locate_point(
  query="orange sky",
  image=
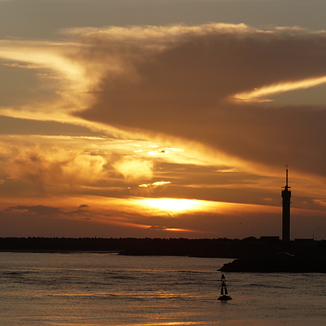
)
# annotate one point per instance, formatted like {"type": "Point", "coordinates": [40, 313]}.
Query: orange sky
{"type": "Point", "coordinates": [125, 127]}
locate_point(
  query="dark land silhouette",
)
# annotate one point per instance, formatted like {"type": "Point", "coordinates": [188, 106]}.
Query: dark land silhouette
{"type": "Point", "coordinates": [282, 262]}
{"type": "Point", "coordinates": [267, 254]}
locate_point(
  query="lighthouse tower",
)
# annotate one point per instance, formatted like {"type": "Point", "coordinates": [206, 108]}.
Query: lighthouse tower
{"type": "Point", "coordinates": [286, 201]}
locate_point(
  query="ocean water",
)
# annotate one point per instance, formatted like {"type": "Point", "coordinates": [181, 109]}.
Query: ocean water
{"type": "Point", "coordinates": [105, 289]}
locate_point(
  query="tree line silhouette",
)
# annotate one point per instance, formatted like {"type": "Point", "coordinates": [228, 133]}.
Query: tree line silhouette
{"type": "Point", "coordinates": [218, 248]}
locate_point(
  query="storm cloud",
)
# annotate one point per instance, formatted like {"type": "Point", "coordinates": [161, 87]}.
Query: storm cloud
{"type": "Point", "coordinates": [184, 82]}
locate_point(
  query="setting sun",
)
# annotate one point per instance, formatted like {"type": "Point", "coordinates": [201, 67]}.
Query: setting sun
{"type": "Point", "coordinates": [172, 204]}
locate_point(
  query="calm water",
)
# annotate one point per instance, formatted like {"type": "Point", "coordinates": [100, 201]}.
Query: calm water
{"type": "Point", "coordinates": [103, 289]}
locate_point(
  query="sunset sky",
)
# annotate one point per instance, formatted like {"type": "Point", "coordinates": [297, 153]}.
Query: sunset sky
{"type": "Point", "coordinates": [162, 118]}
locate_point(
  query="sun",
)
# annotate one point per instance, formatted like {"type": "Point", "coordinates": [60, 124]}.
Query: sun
{"type": "Point", "coordinates": [171, 204]}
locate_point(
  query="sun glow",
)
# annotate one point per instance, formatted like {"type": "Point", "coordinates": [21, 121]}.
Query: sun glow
{"type": "Point", "coordinates": [173, 204]}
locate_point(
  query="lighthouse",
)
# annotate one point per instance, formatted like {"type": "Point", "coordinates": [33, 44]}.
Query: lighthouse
{"type": "Point", "coordinates": [286, 202]}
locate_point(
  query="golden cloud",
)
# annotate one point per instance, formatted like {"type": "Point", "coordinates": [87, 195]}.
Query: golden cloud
{"type": "Point", "coordinates": [257, 93]}
{"type": "Point", "coordinates": [132, 168]}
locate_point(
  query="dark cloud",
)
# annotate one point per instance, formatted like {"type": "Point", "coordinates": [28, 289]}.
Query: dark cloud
{"type": "Point", "coordinates": [46, 211]}
{"type": "Point", "coordinates": [39, 210]}
{"type": "Point", "coordinates": [184, 90]}
{"type": "Point", "coordinates": [81, 207]}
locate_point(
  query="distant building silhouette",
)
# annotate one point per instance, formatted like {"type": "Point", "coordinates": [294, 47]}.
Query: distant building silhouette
{"type": "Point", "coordinates": [286, 202]}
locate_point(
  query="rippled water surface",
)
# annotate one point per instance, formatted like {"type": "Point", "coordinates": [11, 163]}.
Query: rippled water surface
{"type": "Point", "coordinates": [105, 289]}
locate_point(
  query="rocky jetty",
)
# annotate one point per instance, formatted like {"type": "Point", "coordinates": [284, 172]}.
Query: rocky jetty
{"type": "Point", "coordinates": [277, 263]}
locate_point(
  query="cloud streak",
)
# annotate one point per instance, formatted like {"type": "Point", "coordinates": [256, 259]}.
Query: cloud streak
{"type": "Point", "coordinates": [257, 93]}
